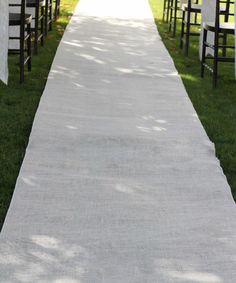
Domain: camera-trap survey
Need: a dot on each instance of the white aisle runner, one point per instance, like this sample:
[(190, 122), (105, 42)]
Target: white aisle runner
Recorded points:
[(120, 183)]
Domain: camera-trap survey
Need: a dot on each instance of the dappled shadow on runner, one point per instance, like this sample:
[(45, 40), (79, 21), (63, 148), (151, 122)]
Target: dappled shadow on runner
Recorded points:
[(115, 47), (42, 259), (47, 259)]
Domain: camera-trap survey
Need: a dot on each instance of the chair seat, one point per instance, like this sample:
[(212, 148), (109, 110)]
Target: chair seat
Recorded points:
[(224, 27), (33, 3), (195, 8), (15, 19)]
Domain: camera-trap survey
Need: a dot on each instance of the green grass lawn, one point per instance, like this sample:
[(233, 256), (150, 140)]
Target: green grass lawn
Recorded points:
[(216, 107), (18, 104)]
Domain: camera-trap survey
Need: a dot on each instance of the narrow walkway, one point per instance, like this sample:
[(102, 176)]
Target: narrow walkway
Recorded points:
[(120, 183)]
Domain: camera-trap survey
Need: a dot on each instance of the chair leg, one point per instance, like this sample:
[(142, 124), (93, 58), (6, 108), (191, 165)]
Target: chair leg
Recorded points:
[(182, 30), (171, 15), (42, 27), (22, 54), (215, 64), (203, 52), (224, 50), (58, 8), (195, 18), (46, 19), (36, 30), (163, 15), (168, 10), (29, 47), (175, 17), (187, 34), (50, 15)]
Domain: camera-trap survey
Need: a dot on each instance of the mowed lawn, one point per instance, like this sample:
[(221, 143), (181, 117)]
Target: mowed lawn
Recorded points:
[(216, 107), (18, 104)]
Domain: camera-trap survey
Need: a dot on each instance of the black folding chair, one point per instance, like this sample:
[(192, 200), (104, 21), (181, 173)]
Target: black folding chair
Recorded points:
[(220, 30), (174, 8), (190, 12), (57, 9), (38, 29), (166, 11), (48, 16), (23, 21)]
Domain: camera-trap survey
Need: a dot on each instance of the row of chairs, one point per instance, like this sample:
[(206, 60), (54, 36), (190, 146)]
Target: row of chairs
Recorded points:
[(190, 16), (30, 27)]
